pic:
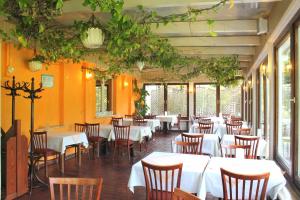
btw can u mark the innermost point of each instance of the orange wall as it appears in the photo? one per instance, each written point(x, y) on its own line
point(72, 99)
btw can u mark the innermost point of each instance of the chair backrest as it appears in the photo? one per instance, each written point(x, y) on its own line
point(206, 127)
point(93, 130)
point(75, 188)
point(244, 131)
point(39, 140)
point(80, 127)
point(139, 122)
point(182, 195)
point(230, 127)
point(204, 120)
point(252, 141)
point(117, 121)
point(236, 183)
point(129, 116)
point(161, 180)
point(150, 117)
point(229, 151)
point(188, 147)
point(122, 132)
point(193, 138)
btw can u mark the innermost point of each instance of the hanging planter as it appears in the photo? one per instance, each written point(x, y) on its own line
point(93, 38)
point(36, 63)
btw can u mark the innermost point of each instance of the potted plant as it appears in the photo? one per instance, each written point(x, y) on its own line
point(36, 63)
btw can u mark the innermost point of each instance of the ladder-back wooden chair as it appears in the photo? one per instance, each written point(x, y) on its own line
point(206, 127)
point(40, 147)
point(236, 184)
point(122, 139)
point(182, 195)
point(188, 147)
point(193, 138)
point(94, 138)
point(229, 151)
point(244, 131)
point(232, 128)
point(117, 121)
point(253, 141)
point(161, 180)
point(75, 188)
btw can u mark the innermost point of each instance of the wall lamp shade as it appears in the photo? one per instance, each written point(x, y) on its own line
point(88, 75)
point(94, 38)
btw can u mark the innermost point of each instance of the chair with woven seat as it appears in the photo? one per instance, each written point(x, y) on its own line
point(232, 127)
point(75, 188)
point(182, 195)
point(40, 147)
point(122, 139)
point(193, 138)
point(243, 131)
point(188, 147)
point(117, 121)
point(206, 127)
point(236, 183)
point(229, 151)
point(94, 138)
point(252, 141)
point(161, 180)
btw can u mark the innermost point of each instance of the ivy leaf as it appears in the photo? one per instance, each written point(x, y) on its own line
point(22, 40)
point(59, 4)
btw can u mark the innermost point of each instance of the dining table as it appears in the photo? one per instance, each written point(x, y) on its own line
point(167, 119)
point(210, 145)
point(60, 140)
point(192, 169)
point(137, 133)
point(152, 123)
point(212, 181)
point(261, 148)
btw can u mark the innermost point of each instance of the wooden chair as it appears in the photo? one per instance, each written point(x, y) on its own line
point(232, 182)
point(139, 122)
point(252, 141)
point(80, 127)
point(188, 147)
point(161, 180)
point(75, 188)
point(204, 120)
point(40, 148)
point(94, 138)
point(206, 127)
point(230, 128)
point(229, 151)
point(129, 116)
point(122, 139)
point(193, 138)
point(182, 195)
point(117, 121)
point(244, 131)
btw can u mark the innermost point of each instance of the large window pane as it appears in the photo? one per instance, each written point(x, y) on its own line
point(284, 92)
point(298, 97)
point(177, 100)
point(155, 100)
point(230, 98)
point(205, 103)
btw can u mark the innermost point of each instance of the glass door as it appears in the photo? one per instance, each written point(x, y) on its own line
point(285, 100)
point(205, 100)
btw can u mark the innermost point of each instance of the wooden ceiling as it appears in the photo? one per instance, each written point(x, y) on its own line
point(237, 27)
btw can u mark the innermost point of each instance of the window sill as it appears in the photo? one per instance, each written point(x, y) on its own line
point(104, 114)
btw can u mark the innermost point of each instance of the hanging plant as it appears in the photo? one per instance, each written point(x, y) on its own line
point(36, 63)
point(141, 107)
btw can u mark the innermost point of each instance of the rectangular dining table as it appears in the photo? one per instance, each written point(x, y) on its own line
point(152, 123)
point(59, 140)
point(167, 119)
point(212, 182)
point(192, 169)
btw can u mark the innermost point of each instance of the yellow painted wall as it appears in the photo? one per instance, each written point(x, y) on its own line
point(72, 99)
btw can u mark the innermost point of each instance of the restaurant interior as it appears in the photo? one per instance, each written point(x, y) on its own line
point(150, 99)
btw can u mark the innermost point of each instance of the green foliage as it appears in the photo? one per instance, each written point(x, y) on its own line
point(127, 40)
point(141, 108)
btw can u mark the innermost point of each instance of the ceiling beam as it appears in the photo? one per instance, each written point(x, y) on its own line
point(215, 41)
point(201, 28)
point(217, 50)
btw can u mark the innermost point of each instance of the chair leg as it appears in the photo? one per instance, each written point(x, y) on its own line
point(115, 148)
point(45, 163)
point(128, 151)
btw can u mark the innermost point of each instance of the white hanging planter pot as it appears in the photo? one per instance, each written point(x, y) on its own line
point(94, 39)
point(35, 65)
point(140, 65)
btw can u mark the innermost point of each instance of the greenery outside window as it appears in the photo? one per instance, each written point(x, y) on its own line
point(103, 98)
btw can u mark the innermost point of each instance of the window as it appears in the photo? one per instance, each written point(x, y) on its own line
point(103, 97)
point(171, 97)
point(205, 99)
point(284, 109)
point(298, 97)
point(230, 100)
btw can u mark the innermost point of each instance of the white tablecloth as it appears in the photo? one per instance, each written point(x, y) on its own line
point(210, 144)
point(192, 170)
point(219, 128)
point(261, 149)
point(168, 118)
point(58, 141)
point(212, 182)
point(152, 123)
point(137, 133)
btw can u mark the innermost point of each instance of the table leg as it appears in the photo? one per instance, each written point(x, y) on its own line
point(79, 155)
point(165, 127)
point(62, 163)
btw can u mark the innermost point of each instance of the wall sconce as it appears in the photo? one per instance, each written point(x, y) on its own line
point(125, 84)
point(88, 74)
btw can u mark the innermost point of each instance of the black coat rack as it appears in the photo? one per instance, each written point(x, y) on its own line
point(32, 95)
